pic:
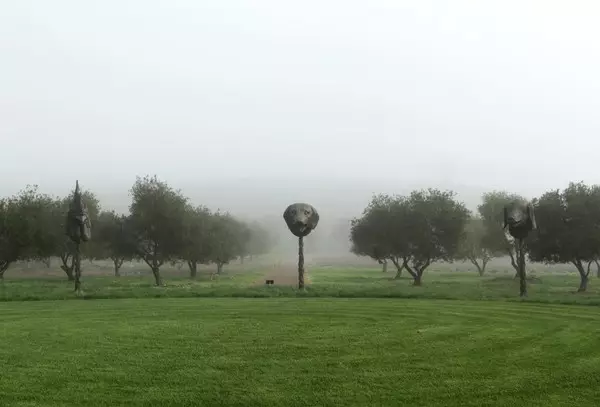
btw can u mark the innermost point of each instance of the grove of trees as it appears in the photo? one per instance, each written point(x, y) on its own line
point(162, 226)
point(409, 232)
point(430, 225)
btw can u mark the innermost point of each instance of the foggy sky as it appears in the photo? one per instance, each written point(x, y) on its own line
point(344, 98)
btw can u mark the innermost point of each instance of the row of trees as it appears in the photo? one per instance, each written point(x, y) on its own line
point(162, 226)
point(431, 225)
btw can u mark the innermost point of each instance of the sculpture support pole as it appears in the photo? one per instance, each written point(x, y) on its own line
point(77, 268)
point(522, 275)
point(300, 263)
point(301, 219)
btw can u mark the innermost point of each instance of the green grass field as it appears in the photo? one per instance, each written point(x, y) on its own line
point(356, 337)
point(298, 352)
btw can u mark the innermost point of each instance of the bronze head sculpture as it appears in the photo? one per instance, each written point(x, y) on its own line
point(520, 218)
point(79, 230)
point(301, 219)
point(79, 226)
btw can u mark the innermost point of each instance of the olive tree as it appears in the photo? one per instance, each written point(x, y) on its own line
point(26, 232)
point(412, 231)
point(157, 217)
point(568, 228)
point(228, 239)
point(197, 242)
point(113, 240)
point(472, 248)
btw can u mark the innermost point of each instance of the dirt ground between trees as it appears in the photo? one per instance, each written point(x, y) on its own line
point(283, 274)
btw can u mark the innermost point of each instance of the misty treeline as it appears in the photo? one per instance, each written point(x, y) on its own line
point(413, 231)
point(162, 226)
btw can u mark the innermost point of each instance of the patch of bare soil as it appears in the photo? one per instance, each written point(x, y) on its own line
point(283, 274)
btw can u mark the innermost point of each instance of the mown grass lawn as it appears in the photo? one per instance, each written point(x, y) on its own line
point(298, 352)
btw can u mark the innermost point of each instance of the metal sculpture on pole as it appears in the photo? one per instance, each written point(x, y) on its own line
point(79, 230)
point(301, 219)
point(519, 217)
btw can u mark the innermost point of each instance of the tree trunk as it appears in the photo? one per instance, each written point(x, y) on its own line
point(418, 278)
point(583, 275)
point(416, 271)
point(583, 284)
point(3, 267)
point(597, 268)
point(157, 277)
point(514, 262)
point(118, 263)
point(193, 266)
point(300, 263)
point(484, 264)
point(384, 266)
point(480, 268)
point(220, 268)
point(68, 267)
point(400, 267)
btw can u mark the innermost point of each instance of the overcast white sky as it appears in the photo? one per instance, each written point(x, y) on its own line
point(380, 94)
